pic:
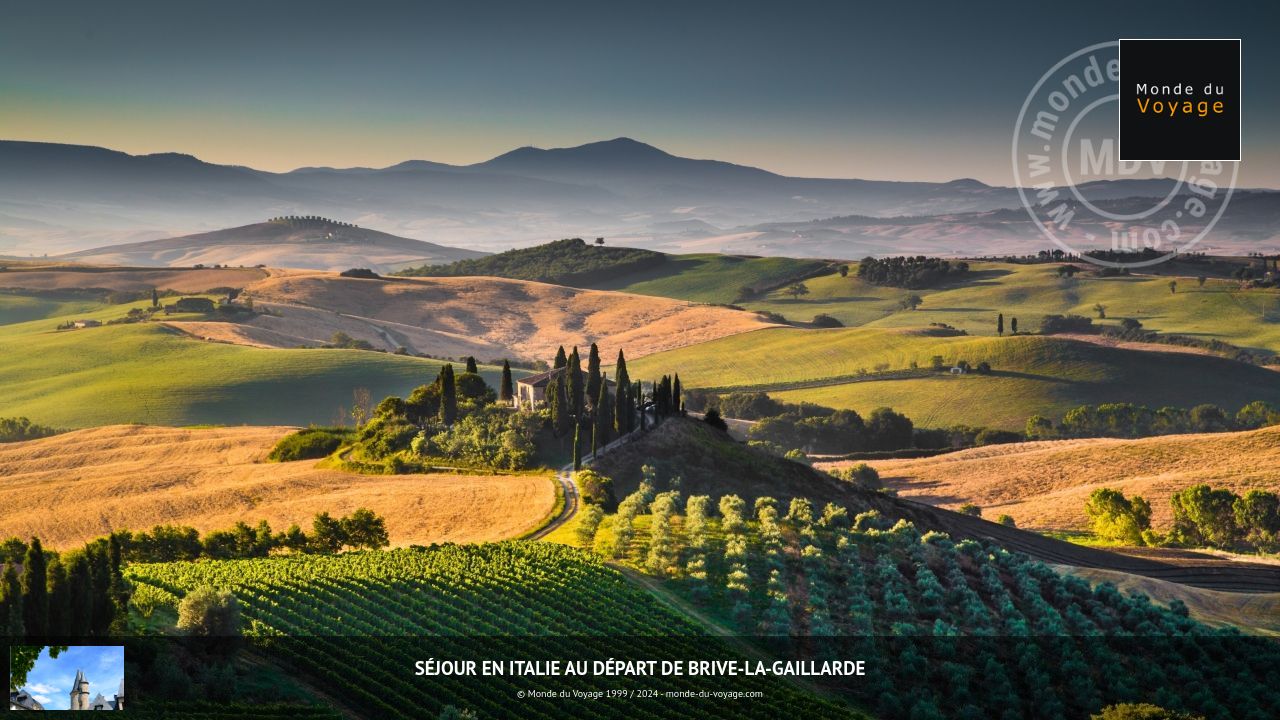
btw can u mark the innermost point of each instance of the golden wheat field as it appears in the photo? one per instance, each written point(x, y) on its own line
point(1044, 485)
point(73, 487)
point(481, 316)
point(70, 277)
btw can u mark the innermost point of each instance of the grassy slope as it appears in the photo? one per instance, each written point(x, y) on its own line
point(709, 277)
point(1033, 374)
point(152, 374)
point(1249, 318)
point(24, 308)
point(1045, 485)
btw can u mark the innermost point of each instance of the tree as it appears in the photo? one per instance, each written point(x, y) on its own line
point(795, 290)
point(970, 509)
point(843, 270)
point(1006, 520)
point(1115, 517)
point(576, 386)
point(327, 533)
point(364, 529)
point(577, 446)
point(677, 399)
point(1257, 414)
point(448, 395)
point(471, 365)
point(35, 591)
point(888, 430)
point(1257, 516)
point(712, 418)
point(1208, 418)
point(594, 488)
point(505, 390)
point(1039, 427)
point(911, 302)
point(1173, 286)
point(624, 398)
point(11, 613)
point(1000, 324)
point(24, 658)
point(1200, 280)
point(561, 360)
point(155, 298)
point(471, 386)
point(209, 613)
point(1202, 514)
point(593, 373)
point(603, 418)
point(1101, 310)
point(1013, 326)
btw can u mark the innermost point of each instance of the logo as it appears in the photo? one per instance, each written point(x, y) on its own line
point(1082, 196)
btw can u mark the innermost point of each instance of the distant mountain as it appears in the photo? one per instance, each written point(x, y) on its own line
point(316, 244)
point(65, 198)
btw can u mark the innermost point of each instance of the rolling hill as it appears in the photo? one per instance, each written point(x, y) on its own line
point(135, 477)
point(1031, 374)
point(66, 198)
point(487, 317)
point(152, 373)
point(311, 244)
point(1044, 485)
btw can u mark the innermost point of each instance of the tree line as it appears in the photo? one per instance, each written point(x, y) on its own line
point(80, 593)
point(1127, 420)
point(1203, 516)
point(913, 272)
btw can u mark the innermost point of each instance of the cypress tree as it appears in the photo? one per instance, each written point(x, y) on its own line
point(59, 598)
point(561, 361)
point(604, 419)
point(471, 365)
point(505, 390)
point(35, 591)
point(677, 400)
point(644, 417)
point(622, 406)
point(577, 446)
point(1013, 326)
point(1000, 324)
point(104, 608)
point(11, 603)
point(558, 405)
point(448, 395)
point(80, 589)
point(155, 298)
point(577, 390)
point(593, 373)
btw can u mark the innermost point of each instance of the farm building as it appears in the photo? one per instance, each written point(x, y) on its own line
point(191, 304)
point(88, 323)
point(531, 391)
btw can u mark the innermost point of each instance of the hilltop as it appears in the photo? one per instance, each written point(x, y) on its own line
point(563, 262)
point(487, 317)
point(134, 477)
point(312, 243)
point(1045, 484)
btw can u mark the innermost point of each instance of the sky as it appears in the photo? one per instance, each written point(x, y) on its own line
point(49, 682)
point(899, 91)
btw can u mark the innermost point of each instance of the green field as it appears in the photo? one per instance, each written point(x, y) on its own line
point(379, 612)
point(150, 373)
point(23, 308)
point(710, 278)
point(1031, 374)
point(1248, 318)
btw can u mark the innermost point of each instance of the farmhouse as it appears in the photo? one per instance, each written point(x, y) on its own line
point(88, 323)
point(531, 390)
point(191, 304)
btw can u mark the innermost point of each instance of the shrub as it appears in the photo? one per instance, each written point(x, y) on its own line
point(712, 418)
point(1116, 517)
point(970, 509)
point(1051, 324)
point(595, 489)
point(209, 613)
point(823, 320)
point(1006, 520)
point(309, 444)
point(992, 436)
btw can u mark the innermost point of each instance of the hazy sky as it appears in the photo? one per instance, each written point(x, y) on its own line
point(877, 90)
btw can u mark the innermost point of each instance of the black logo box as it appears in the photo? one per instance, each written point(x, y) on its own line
point(1189, 63)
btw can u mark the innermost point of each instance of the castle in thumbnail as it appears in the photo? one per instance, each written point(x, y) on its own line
point(79, 698)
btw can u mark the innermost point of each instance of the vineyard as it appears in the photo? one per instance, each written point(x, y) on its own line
point(974, 630)
point(355, 624)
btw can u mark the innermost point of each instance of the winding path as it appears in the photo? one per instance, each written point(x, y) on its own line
point(565, 478)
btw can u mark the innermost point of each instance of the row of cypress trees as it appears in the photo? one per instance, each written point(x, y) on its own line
point(47, 594)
